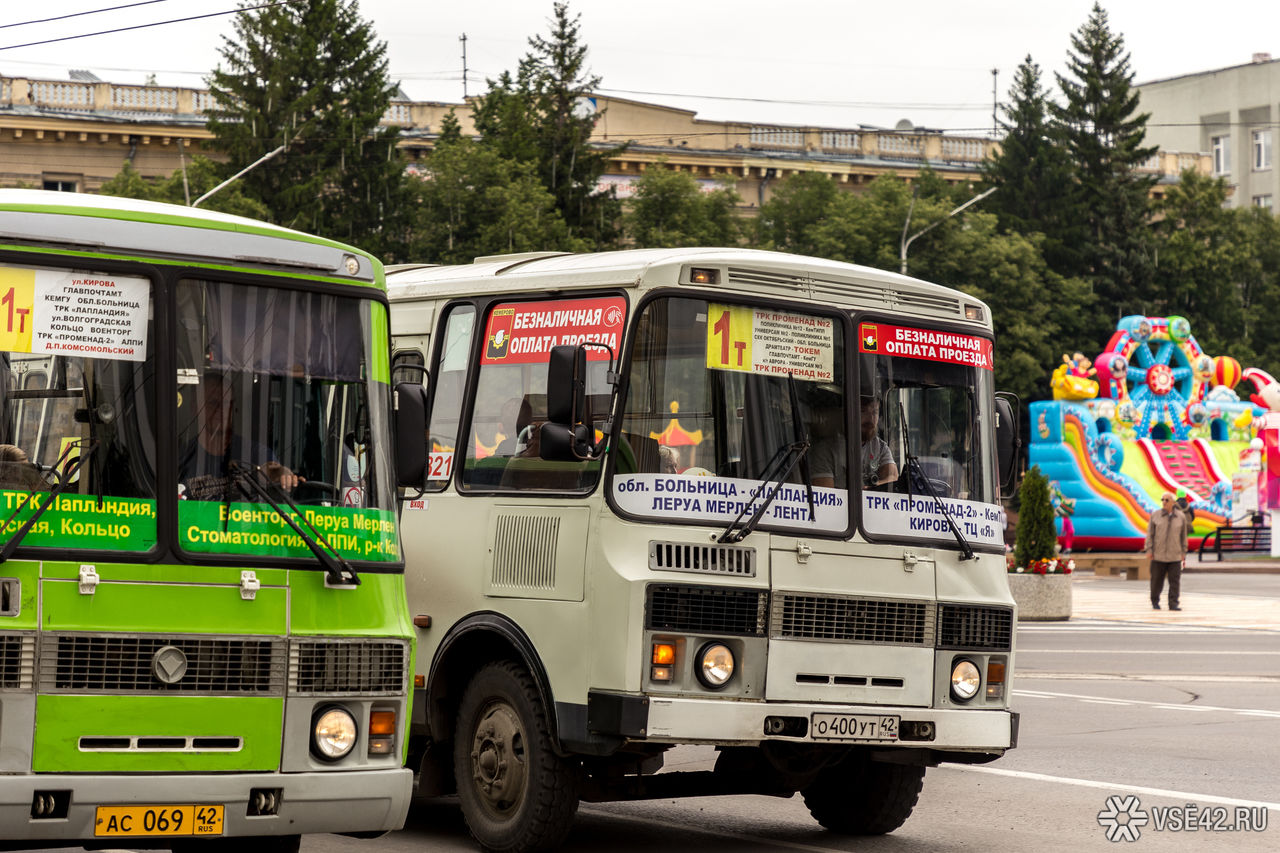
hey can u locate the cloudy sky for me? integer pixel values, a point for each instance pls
(839, 63)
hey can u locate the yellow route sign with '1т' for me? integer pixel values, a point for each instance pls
(770, 342)
(17, 296)
(71, 312)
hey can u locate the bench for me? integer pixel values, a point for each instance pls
(1237, 539)
(1139, 569)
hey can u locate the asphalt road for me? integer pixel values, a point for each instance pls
(1182, 718)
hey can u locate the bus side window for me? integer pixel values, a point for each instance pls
(503, 449)
(448, 383)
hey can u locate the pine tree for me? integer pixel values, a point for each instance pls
(1036, 534)
(1032, 170)
(545, 115)
(1103, 134)
(309, 75)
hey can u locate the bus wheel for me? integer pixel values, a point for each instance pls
(517, 795)
(859, 797)
(260, 844)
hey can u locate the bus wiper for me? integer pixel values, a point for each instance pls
(787, 455)
(914, 468)
(68, 476)
(338, 570)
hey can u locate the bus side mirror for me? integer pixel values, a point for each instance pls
(1008, 440)
(411, 435)
(566, 385)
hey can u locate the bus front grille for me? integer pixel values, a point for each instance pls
(853, 620)
(17, 661)
(969, 627)
(706, 610)
(113, 663)
(329, 667)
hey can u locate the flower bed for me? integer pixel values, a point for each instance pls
(1042, 590)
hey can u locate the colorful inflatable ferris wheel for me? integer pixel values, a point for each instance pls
(1157, 374)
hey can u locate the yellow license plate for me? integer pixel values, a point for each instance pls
(132, 821)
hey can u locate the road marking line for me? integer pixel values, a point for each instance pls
(1045, 694)
(1180, 652)
(1184, 796)
(719, 833)
(1104, 701)
(1198, 679)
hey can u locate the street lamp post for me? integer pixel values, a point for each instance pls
(907, 241)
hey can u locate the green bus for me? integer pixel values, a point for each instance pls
(203, 634)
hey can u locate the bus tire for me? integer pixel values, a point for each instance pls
(517, 794)
(253, 844)
(864, 797)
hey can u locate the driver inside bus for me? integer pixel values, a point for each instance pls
(878, 465)
(204, 472)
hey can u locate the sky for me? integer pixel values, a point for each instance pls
(840, 63)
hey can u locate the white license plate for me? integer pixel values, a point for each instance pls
(870, 727)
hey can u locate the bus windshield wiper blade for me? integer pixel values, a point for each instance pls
(776, 474)
(67, 477)
(914, 467)
(339, 571)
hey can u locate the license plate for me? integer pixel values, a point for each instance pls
(880, 727)
(132, 821)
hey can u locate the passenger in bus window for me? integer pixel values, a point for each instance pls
(878, 465)
(516, 416)
(17, 472)
(828, 459)
(203, 464)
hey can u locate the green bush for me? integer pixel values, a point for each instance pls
(1036, 535)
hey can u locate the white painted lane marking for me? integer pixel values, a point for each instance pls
(1045, 694)
(1179, 652)
(1135, 677)
(1184, 796)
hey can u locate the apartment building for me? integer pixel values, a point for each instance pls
(1231, 115)
(76, 134)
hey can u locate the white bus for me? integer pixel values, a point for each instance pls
(720, 497)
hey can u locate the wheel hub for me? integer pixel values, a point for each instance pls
(498, 759)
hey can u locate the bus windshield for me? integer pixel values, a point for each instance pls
(710, 412)
(276, 384)
(923, 392)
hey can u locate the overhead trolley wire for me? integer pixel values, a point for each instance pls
(144, 26)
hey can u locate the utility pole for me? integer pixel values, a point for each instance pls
(907, 241)
(464, 65)
(995, 103)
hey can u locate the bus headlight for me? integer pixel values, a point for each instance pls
(333, 734)
(965, 681)
(715, 665)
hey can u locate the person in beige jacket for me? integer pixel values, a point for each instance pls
(1167, 547)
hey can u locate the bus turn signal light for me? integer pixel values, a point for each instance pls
(664, 654)
(995, 679)
(382, 732)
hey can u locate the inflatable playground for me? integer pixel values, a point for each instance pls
(1154, 413)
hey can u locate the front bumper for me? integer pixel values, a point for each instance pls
(689, 720)
(364, 801)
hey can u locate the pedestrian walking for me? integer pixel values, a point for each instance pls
(1167, 548)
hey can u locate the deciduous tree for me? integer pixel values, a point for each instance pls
(671, 209)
